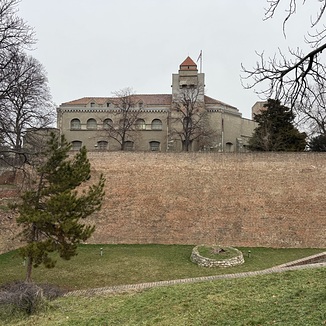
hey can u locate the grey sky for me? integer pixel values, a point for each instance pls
(96, 47)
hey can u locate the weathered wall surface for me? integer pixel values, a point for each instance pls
(272, 200)
(229, 199)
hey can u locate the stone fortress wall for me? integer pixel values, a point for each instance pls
(245, 199)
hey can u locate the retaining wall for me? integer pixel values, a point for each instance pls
(260, 199)
(247, 199)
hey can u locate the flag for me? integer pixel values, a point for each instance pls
(200, 55)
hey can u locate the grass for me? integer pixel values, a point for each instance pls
(128, 264)
(4, 208)
(290, 298)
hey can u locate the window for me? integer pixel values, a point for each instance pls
(154, 145)
(156, 124)
(129, 145)
(141, 105)
(92, 104)
(91, 124)
(107, 123)
(76, 145)
(229, 147)
(108, 104)
(75, 124)
(102, 145)
(140, 124)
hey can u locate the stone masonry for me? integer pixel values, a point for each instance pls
(254, 199)
(247, 199)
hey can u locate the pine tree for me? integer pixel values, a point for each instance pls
(50, 212)
(275, 130)
(318, 143)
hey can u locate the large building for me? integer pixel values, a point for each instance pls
(186, 119)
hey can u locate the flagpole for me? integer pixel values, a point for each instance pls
(200, 57)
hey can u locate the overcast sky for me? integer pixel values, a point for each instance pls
(97, 47)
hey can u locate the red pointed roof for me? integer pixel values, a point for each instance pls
(188, 64)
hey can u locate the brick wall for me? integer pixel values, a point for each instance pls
(258, 199)
(271, 200)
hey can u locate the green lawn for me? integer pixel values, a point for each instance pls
(128, 264)
(290, 298)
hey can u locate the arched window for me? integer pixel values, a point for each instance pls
(156, 124)
(129, 145)
(107, 124)
(154, 145)
(75, 124)
(91, 124)
(229, 147)
(102, 145)
(76, 145)
(140, 124)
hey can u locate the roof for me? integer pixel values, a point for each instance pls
(210, 100)
(188, 64)
(147, 99)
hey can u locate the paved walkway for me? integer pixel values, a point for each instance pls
(295, 265)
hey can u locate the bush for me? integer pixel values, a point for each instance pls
(27, 298)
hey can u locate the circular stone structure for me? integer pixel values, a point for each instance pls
(209, 262)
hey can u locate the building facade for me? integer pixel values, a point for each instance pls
(186, 119)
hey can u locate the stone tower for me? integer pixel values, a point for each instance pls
(188, 77)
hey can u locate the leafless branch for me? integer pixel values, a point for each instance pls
(290, 79)
(125, 114)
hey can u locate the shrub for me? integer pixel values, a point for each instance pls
(27, 298)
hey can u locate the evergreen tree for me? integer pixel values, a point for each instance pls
(318, 144)
(50, 212)
(275, 130)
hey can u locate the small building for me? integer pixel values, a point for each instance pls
(186, 119)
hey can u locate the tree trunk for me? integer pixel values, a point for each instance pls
(29, 267)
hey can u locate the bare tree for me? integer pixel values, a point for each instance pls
(189, 121)
(28, 104)
(291, 79)
(311, 112)
(15, 36)
(125, 113)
